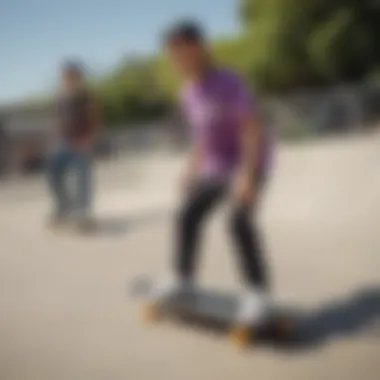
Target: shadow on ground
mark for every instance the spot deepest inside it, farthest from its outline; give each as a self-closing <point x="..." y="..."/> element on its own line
<point x="358" y="315"/>
<point x="120" y="225"/>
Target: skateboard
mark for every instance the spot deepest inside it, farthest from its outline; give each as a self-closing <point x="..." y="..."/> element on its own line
<point x="209" y="308"/>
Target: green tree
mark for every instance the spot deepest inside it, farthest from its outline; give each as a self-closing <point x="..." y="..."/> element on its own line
<point x="297" y="42"/>
<point x="131" y="92"/>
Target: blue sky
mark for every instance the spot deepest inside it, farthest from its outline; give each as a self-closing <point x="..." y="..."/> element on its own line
<point x="35" y="35"/>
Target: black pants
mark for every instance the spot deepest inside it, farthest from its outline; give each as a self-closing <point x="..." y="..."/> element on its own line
<point x="242" y="226"/>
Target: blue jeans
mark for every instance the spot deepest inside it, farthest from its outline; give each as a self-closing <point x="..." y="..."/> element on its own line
<point x="67" y="160"/>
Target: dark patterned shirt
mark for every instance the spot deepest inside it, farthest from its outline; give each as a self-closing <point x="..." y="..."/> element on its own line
<point x="74" y="116"/>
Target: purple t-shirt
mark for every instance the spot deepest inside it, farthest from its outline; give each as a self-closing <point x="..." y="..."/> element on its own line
<point x="214" y="109"/>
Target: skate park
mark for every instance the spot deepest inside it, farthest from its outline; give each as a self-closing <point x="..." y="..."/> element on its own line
<point x="66" y="311"/>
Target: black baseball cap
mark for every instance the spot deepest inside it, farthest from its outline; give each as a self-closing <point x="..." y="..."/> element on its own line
<point x="185" y="31"/>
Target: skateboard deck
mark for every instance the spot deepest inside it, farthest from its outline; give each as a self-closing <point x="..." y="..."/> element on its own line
<point x="209" y="308"/>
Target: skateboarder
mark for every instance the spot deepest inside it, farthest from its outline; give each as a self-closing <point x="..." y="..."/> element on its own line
<point x="229" y="158"/>
<point x="78" y="122"/>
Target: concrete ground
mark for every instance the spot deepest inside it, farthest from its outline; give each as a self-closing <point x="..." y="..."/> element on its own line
<point x="65" y="312"/>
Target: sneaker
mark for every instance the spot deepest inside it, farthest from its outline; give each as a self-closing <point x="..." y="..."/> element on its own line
<point x="58" y="219"/>
<point x="85" y="224"/>
<point x="254" y="307"/>
<point x="171" y="287"/>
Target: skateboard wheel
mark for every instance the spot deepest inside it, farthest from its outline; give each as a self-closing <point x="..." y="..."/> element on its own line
<point x="150" y="312"/>
<point x="240" y="336"/>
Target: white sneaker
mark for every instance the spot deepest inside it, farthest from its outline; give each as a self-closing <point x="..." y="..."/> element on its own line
<point x="170" y="287"/>
<point x="254" y="307"/>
